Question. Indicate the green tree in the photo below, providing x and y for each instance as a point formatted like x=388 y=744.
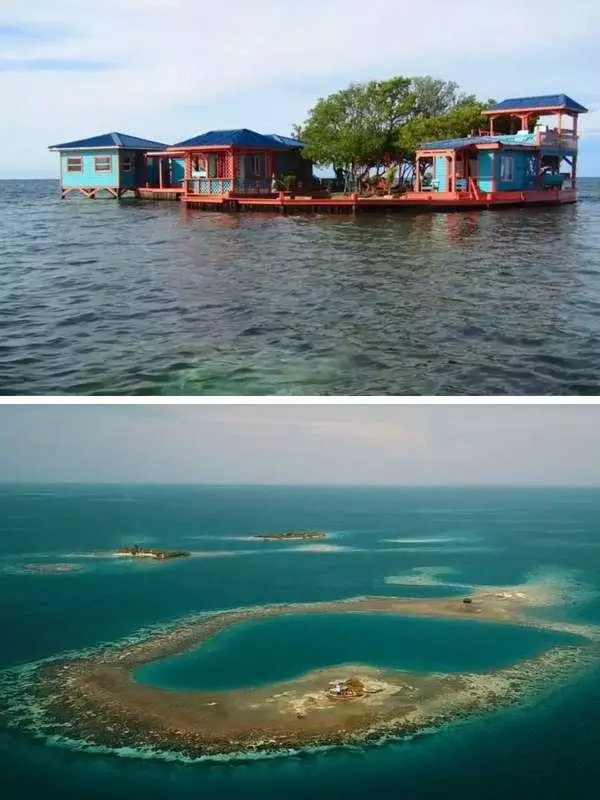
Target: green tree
x=356 y=129
x=370 y=127
x=434 y=97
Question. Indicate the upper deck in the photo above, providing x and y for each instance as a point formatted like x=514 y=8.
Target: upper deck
x=566 y=142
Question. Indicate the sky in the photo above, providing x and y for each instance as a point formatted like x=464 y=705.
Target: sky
x=170 y=69
x=301 y=444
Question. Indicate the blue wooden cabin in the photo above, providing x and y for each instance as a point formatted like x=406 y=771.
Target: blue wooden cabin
x=532 y=157
x=112 y=163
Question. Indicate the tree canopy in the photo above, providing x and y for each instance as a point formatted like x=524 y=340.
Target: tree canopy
x=371 y=126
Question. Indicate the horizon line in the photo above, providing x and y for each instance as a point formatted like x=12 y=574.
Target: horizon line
x=305 y=485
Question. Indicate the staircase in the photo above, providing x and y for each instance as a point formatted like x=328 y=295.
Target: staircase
x=474 y=190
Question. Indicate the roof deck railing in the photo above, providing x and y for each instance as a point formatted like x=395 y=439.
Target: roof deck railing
x=561 y=141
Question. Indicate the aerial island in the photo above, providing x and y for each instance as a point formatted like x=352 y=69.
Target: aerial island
x=151 y=552
x=291 y=536
x=95 y=697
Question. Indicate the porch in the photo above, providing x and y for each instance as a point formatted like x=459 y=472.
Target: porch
x=214 y=172
x=460 y=173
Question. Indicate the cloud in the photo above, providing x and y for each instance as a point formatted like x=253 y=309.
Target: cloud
x=54 y=65
x=297 y=444
x=181 y=55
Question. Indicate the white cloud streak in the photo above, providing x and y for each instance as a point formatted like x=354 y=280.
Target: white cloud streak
x=171 y=56
x=447 y=445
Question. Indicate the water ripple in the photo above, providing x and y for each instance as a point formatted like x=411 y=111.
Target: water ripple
x=151 y=298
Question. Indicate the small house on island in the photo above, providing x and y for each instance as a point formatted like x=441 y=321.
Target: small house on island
x=535 y=162
x=347 y=690
x=112 y=163
x=228 y=163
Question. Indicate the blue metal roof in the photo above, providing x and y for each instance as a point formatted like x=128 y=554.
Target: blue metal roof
x=287 y=141
x=241 y=137
x=541 y=102
x=109 y=140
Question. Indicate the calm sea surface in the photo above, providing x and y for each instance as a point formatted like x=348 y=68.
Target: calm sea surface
x=98 y=297
x=544 y=749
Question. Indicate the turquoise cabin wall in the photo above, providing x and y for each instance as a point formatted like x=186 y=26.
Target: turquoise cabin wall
x=490 y=167
x=520 y=179
x=89 y=177
x=152 y=176
x=440 y=174
x=177 y=170
x=487 y=165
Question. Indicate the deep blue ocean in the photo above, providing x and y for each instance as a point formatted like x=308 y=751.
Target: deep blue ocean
x=406 y=541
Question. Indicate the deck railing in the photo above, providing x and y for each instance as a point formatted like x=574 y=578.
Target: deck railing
x=562 y=141
x=221 y=186
x=208 y=186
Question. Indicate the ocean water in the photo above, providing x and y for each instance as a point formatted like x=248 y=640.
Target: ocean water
x=282 y=648
x=382 y=541
x=150 y=298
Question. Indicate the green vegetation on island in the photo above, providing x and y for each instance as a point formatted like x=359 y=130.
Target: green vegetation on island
x=369 y=132
x=292 y=535
x=151 y=552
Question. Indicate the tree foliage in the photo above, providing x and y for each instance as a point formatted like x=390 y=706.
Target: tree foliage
x=370 y=126
x=355 y=128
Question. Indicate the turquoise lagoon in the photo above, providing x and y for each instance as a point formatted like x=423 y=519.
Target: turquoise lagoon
x=264 y=651
x=544 y=748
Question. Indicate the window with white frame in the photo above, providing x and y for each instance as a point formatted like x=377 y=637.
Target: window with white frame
x=103 y=163
x=257 y=163
x=127 y=163
x=74 y=164
x=507 y=169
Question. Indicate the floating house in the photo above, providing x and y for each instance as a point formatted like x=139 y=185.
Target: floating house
x=112 y=163
x=223 y=165
x=534 y=163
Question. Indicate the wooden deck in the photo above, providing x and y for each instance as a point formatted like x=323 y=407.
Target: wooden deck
x=150 y=193
x=352 y=204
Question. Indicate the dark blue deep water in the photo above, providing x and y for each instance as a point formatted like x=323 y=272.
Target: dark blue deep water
x=98 y=297
x=547 y=748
